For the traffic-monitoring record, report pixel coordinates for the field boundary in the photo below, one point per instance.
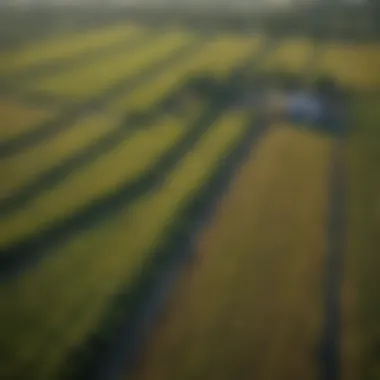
(330, 351)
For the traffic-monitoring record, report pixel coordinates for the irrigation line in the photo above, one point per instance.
(330, 368)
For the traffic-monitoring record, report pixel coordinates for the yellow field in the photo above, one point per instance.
(244, 302)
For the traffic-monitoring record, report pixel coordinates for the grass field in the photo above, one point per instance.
(85, 209)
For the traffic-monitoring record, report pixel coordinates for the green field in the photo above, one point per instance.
(90, 204)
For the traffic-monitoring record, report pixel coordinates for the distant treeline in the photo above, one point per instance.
(324, 21)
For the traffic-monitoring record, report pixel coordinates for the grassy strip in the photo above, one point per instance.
(252, 308)
(361, 301)
(17, 83)
(292, 55)
(66, 119)
(30, 169)
(85, 82)
(354, 66)
(35, 100)
(17, 118)
(229, 52)
(87, 290)
(59, 48)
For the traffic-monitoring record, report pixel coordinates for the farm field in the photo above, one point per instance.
(243, 307)
(96, 202)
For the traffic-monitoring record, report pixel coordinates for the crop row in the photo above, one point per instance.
(65, 296)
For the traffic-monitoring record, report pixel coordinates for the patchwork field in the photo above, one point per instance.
(95, 203)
